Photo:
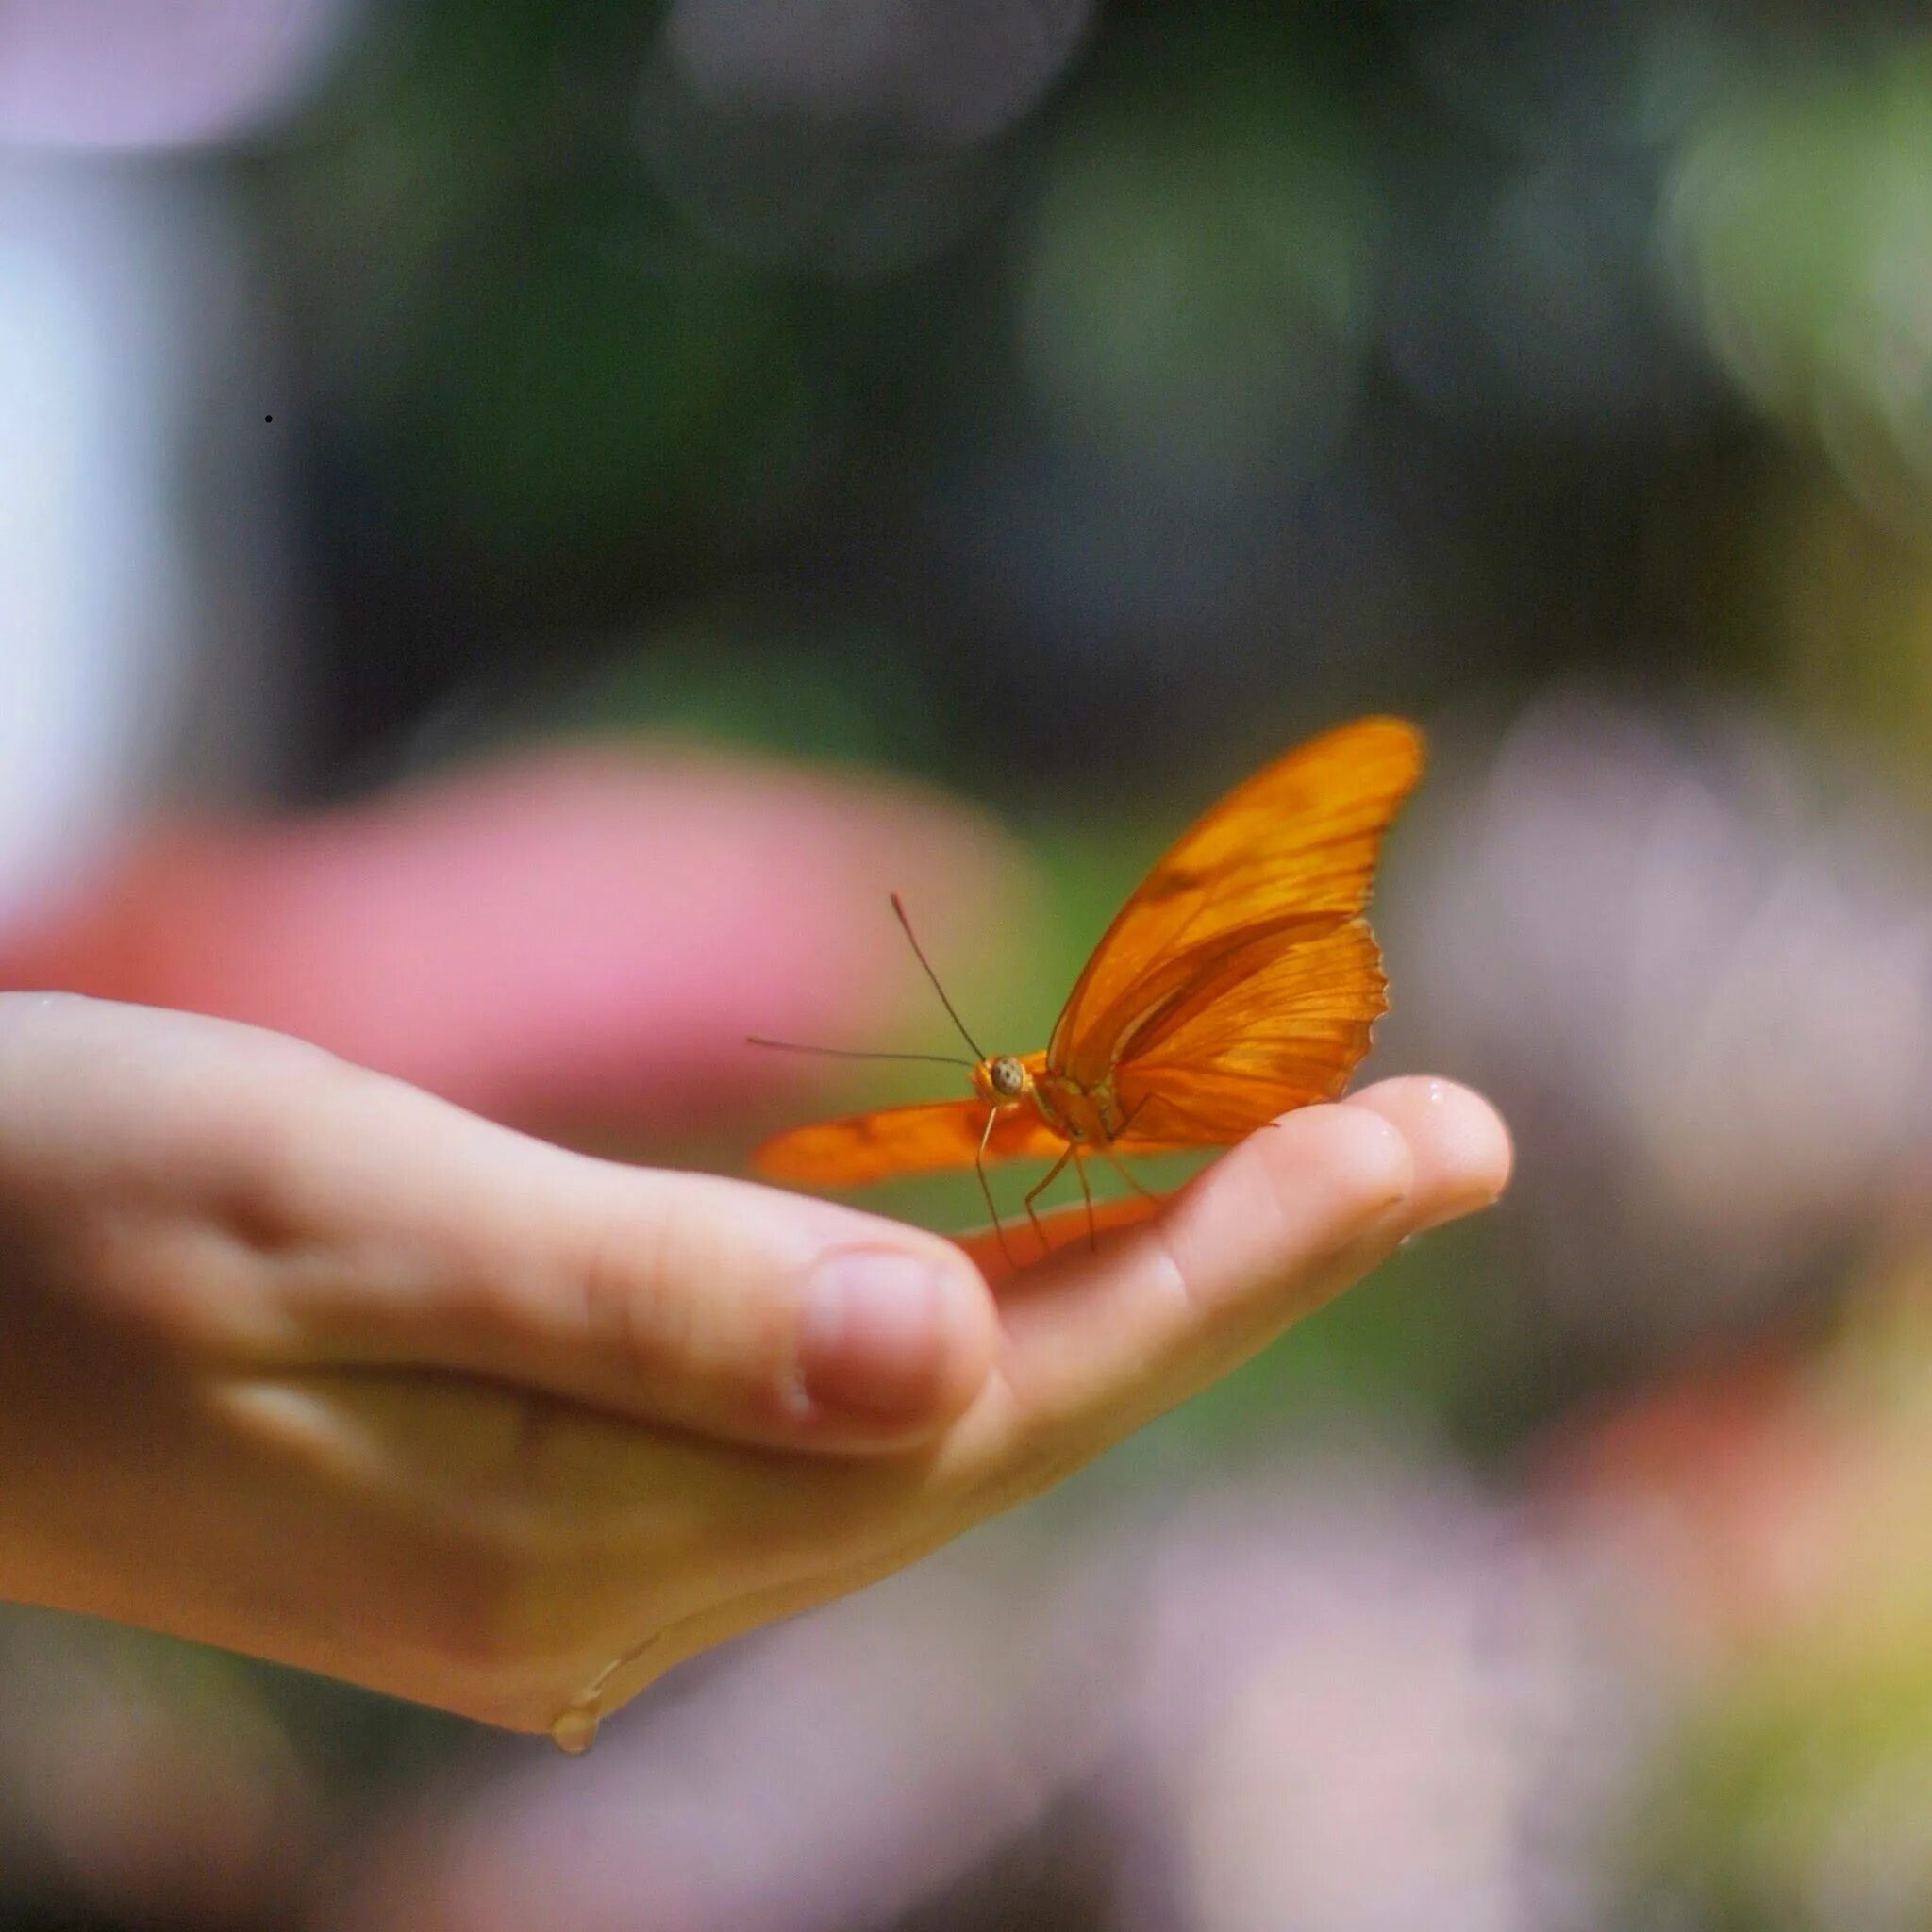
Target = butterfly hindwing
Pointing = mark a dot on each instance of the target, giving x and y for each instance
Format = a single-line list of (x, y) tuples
[(1280, 1024)]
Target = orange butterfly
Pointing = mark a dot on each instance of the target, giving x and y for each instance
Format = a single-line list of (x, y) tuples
[(1238, 981)]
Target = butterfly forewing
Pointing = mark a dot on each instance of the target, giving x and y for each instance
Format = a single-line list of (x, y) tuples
[(863, 1147), (1299, 838)]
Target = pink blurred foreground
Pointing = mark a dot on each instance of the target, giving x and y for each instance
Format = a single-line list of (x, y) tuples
[(578, 936)]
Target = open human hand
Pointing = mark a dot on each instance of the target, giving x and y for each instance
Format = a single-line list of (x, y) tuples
[(298, 1359)]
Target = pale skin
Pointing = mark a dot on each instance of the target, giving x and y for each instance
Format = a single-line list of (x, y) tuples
[(297, 1359)]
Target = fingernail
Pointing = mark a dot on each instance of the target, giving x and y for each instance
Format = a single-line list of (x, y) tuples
[(872, 1340)]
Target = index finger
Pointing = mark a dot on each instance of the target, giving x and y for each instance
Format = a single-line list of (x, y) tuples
[(1097, 1341)]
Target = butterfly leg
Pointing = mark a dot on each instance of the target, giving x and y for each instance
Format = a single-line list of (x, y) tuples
[(1106, 1152), (1087, 1196), (1045, 1181), (1127, 1175), (986, 1187)]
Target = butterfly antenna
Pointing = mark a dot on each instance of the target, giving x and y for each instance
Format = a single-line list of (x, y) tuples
[(918, 953), (854, 1053)]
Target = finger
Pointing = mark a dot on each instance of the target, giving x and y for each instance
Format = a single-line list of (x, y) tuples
[(711, 1304), (1457, 1140), (302, 1213), (1460, 1146), (1096, 1343), (1240, 1246), (1459, 1157)]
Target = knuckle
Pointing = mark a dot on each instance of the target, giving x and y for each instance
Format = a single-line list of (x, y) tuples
[(623, 1284), (256, 1148), (285, 1130), (147, 1284), (687, 1311), (256, 1157)]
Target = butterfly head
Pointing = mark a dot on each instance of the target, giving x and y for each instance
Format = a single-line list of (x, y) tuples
[(1002, 1078)]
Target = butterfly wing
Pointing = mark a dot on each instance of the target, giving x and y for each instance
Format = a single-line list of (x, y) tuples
[(1285, 860), (993, 1248), (1236, 982), (1277, 1021), (930, 1139)]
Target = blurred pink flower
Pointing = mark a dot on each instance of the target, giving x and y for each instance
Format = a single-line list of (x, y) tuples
[(1367, 1700), (577, 936), (1696, 976)]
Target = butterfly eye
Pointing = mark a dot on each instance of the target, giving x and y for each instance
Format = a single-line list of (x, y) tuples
[(1008, 1078)]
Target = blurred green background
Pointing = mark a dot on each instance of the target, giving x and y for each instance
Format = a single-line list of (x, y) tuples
[(1069, 406)]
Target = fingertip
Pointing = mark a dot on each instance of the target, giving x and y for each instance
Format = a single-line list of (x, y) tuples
[(972, 1337), (893, 1342), (1362, 1159), (1459, 1144), (1287, 1199)]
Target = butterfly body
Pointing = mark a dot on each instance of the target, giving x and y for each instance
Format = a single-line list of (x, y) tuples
[(1064, 1107), (1239, 980)]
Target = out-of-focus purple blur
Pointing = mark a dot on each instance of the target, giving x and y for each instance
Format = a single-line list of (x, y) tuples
[(522, 521)]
